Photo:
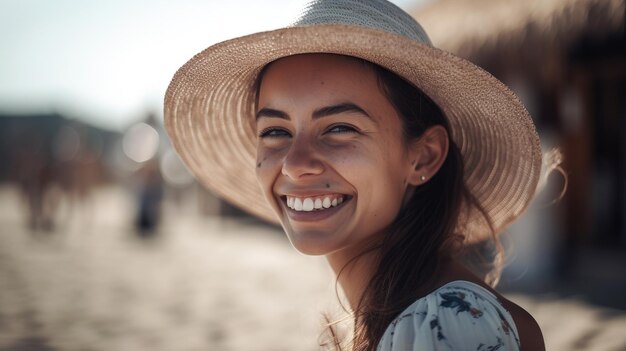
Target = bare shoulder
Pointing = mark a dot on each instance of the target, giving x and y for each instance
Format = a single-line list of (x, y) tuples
[(530, 334)]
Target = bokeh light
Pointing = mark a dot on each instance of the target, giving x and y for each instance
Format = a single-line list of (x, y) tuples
[(141, 142)]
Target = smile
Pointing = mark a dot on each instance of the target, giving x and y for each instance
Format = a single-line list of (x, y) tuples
[(317, 203)]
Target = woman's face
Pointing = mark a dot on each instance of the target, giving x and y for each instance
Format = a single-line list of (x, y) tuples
[(330, 156)]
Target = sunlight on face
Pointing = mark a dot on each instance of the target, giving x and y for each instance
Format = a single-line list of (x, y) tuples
[(330, 156)]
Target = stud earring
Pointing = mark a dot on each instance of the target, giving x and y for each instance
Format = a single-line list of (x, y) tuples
[(422, 178)]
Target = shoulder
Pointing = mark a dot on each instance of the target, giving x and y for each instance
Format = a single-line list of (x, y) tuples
[(457, 316), (531, 337)]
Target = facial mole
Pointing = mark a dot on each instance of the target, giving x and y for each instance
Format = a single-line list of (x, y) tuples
[(327, 185), (258, 165)]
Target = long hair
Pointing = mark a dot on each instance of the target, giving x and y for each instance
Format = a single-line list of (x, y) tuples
[(423, 233)]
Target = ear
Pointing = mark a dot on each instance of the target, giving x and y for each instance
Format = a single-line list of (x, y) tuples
[(428, 154)]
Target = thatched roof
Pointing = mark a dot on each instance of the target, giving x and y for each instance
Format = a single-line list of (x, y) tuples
[(471, 27)]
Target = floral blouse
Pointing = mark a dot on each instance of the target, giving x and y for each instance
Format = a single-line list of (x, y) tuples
[(458, 316)]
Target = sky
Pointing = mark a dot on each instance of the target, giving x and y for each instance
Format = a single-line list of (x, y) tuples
[(109, 62)]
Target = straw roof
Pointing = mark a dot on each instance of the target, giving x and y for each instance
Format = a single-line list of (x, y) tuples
[(472, 27)]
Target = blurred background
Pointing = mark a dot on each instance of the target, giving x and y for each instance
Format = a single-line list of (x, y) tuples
[(108, 243)]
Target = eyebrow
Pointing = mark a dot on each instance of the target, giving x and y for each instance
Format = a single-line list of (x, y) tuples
[(346, 107), (270, 112)]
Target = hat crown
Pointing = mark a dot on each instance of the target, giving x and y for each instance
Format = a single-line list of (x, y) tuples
[(375, 14)]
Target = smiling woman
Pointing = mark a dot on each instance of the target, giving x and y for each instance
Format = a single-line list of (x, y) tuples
[(336, 139), (387, 161)]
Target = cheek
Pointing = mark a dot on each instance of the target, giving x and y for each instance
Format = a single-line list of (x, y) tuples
[(382, 203), (364, 164), (348, 157), (268, 165), (377, 174)]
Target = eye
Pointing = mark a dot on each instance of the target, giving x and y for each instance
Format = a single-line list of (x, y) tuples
[(273, 132), (341, 128)]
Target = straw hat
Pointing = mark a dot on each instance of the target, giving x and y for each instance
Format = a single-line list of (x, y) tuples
[(209, 106)]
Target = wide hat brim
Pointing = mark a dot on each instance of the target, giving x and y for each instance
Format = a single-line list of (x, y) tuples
[(209, 115)]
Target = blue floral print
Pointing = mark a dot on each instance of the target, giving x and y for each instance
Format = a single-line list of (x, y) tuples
[(458, 316)]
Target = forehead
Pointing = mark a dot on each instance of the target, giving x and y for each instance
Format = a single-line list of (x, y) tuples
[(322, 76)]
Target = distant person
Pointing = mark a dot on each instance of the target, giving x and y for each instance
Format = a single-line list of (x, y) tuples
[(382, 153), (35, 174), (78, 172), (149, 198)]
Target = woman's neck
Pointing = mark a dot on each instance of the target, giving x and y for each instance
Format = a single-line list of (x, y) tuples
[(354, 268)]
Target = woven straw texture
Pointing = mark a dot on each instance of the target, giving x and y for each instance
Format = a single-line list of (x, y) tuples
[(209, 106)]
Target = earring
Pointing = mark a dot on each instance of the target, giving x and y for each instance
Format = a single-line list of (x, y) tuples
[(422, 178)]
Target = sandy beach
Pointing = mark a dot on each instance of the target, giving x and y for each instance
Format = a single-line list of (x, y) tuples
[(202, 283)]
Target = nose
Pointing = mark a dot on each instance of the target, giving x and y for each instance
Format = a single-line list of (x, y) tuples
[(302, 160)]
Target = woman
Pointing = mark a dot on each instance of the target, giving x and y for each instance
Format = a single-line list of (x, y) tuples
[(386, 155)]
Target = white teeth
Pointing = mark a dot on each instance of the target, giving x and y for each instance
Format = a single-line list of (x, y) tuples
[(318, 203), (326, 202), (297, 205), (307, 204)]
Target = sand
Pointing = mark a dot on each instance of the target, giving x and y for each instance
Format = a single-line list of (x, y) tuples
[(202, 283)]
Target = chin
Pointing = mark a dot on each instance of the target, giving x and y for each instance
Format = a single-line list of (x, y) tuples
[(312, 242)]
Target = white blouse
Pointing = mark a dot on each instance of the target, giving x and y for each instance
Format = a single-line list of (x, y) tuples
[(460, 315)]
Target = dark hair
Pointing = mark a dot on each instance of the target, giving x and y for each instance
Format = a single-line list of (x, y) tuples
[(423, 234), (410, 254)]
